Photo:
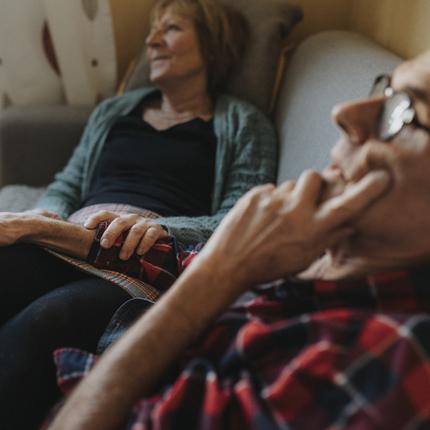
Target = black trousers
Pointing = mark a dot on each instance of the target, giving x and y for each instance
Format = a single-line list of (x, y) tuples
[(45, 304)]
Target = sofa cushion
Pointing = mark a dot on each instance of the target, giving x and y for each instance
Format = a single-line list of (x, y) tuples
[(326, 69), (270, 22), (17, 198)]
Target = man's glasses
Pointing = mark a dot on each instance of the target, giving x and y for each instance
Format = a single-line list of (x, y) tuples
[(397, 110)]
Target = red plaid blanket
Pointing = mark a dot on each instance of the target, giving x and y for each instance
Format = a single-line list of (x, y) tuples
[(145, 277), (302, 355), (159, 267), (133, 286)]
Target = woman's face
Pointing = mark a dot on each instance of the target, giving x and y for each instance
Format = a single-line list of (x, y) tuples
[(173, 50)]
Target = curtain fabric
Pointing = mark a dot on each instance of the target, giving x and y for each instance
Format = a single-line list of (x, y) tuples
[(56, 52)]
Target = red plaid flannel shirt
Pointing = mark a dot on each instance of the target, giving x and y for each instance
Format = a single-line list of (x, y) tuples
[(302, 355)]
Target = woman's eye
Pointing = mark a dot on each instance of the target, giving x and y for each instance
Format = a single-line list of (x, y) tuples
[(171, 27)]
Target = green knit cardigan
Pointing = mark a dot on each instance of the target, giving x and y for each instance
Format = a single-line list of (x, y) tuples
[(246, 156)]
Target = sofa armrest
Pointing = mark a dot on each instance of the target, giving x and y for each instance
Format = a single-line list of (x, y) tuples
[(36, 142)]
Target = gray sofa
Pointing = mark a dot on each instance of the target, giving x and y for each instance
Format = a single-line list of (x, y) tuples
[(325, 69)]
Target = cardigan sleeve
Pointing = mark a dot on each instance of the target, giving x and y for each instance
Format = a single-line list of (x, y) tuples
[(253, 162), (63, 195)]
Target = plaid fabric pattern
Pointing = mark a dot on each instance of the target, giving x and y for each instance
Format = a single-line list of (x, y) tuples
[(144, 277), (302, 355), (159, 267)]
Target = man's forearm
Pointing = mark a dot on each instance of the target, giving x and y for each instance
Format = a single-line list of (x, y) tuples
[(72, 239), (131, 368)]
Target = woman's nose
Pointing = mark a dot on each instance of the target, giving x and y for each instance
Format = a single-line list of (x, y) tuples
[(153, 38), (358, 119)]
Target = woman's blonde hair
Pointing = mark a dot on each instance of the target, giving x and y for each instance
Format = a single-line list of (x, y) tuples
[(222, 32)]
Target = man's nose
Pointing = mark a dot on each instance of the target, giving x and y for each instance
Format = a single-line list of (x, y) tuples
[(358, 119)]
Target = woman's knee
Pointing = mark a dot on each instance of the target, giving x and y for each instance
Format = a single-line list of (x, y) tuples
[(72, 315), (45, 316)]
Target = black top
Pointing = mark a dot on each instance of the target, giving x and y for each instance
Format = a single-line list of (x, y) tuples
[(170, 172)]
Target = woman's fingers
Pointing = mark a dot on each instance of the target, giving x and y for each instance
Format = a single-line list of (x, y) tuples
[(141, 237), (134, 236), (152, 234), (142, 233), (94, 220), (116, 228)]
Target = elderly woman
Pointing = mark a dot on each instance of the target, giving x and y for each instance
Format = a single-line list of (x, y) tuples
[(179, 149), (170, 158)]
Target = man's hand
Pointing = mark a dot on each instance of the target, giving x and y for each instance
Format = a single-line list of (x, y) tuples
[(43, 212), (45, 230), (276, 231), (13, 227), (142, 234)]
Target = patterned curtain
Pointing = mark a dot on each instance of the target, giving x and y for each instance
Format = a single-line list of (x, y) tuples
[(56, 52)]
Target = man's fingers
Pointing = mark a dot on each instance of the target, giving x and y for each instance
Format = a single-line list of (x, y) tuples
[(308, 187), (375, 156), (354, 199), (94, 220), (379, 156), (286, 187)]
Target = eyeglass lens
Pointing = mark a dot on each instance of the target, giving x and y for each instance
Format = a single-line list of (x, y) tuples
[(396, 110)]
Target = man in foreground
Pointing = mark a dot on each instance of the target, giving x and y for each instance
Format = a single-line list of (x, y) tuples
[(342, 345)]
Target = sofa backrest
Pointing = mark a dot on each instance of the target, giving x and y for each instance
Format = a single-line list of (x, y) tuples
[(326, 69)]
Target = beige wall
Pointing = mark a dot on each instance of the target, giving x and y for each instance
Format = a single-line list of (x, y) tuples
[(128, 19), (400, 25), (321, 15)]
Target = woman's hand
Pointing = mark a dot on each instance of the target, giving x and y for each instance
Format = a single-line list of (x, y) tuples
[(276, 231), (143, 232)]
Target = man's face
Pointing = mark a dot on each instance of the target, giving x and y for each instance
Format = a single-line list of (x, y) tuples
[(404, 211)]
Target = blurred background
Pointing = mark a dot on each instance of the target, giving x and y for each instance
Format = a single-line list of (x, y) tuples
[(76, 52)]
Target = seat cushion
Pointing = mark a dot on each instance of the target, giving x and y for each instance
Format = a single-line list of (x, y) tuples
[(270, 22), (17, 198), (327, 68)]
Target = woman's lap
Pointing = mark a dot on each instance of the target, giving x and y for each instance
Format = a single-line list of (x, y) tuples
[(53, 305), (26, 273)]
